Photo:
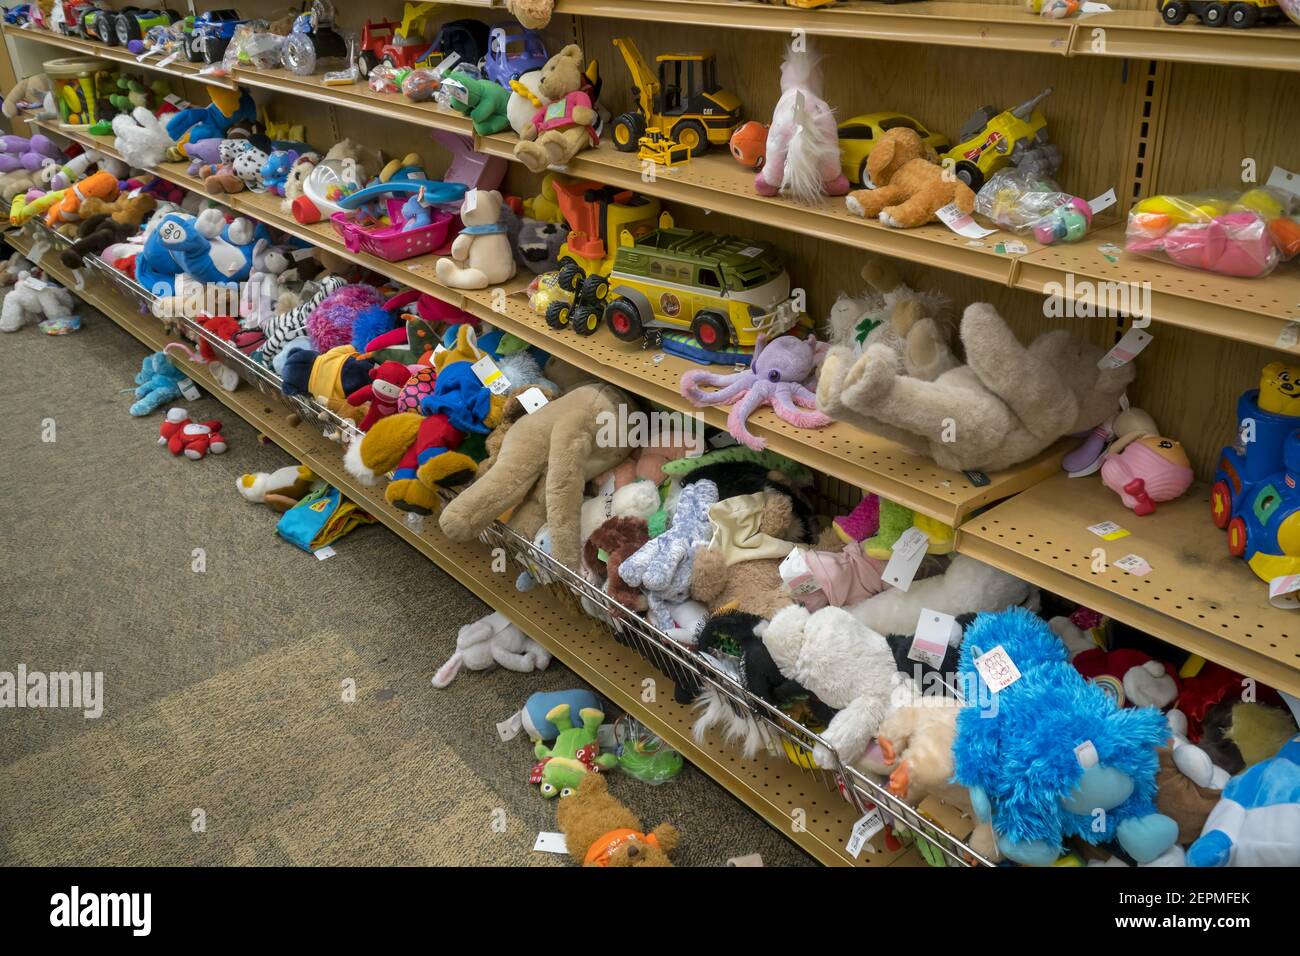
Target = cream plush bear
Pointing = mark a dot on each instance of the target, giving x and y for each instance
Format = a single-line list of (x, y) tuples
[(1007, 404), (31, 300), (481, 255)]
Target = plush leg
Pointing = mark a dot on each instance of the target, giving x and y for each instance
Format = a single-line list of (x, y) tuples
[(869, 202)]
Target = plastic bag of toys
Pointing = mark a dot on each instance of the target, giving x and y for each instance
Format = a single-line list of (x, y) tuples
[(420, 85), (252, 46), (1244, 234), (1033, 205), (643, 754), (386, 79)]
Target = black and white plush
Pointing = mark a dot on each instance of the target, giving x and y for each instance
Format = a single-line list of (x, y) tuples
[(283, 329)]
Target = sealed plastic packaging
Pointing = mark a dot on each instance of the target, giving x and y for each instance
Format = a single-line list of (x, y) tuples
[(1242, 234), (1033, 205)]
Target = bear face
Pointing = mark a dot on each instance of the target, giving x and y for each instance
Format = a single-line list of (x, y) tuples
[(481, 208), (562, 74)]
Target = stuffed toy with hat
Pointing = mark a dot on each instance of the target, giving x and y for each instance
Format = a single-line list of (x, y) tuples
[(601, 831)]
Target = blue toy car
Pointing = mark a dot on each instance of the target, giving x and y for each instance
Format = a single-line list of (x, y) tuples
[(512, 52), (210, 35)]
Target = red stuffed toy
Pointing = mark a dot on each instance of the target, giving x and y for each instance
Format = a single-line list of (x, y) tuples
[(192, 439), (386, 382)]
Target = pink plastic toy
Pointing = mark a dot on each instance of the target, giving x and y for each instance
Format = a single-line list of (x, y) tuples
[(391, 241), (1146, 471), (1234, 244)]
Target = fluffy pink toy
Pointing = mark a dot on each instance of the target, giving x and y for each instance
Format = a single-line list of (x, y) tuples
[(330, 323), (779, 375)]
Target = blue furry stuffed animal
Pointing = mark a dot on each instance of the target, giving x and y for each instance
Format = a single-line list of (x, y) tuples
[(159, 384), (1023, 752)]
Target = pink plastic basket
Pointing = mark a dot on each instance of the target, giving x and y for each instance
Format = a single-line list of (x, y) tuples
[(390, 242)]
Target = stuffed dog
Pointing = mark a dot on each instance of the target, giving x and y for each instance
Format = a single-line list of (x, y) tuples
[(911, 186)]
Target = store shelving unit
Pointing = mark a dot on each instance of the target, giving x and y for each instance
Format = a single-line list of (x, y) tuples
[(179, 67)]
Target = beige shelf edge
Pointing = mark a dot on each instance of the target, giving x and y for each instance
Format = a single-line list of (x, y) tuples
[(180, 68), (1197, 596), (772, 788), (1141, 34), (863, 460)]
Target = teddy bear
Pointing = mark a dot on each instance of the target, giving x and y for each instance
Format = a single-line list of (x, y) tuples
[(480, 255), (33, 300), (27, 91), (194, 440), (491, 641), (568, 123), (1006, 405), (157, 383), (910, 185), (532, 14), (600, 831)]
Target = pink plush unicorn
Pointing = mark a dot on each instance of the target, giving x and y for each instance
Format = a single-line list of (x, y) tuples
[(803, 145)]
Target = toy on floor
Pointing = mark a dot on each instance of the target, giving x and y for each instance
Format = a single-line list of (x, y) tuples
[(1050, 755), (34, 300), (279, 490), (321, 518), (568, 123), (158, 382), (802, 155), (533, 716), (194, 440), (1256, 821), (490, 642), (910, 185), (776, 377), (600, 831), (574, 755)]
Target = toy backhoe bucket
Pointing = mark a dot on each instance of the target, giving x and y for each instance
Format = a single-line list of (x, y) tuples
[(1026, 109)]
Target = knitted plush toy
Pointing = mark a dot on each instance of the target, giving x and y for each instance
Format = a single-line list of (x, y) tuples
[(491, 641), (158, 382), (1050, 755)]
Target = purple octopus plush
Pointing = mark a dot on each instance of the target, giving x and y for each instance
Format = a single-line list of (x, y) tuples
[(779, 375)]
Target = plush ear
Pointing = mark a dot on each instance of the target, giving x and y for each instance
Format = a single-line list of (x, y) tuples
[(573, 52), (666, 836), (880, 159)]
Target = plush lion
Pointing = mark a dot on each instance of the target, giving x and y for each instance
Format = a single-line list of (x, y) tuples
[(911, 186), (600, 831)]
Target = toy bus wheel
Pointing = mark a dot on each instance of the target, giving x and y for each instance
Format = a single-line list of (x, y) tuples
[(711, 331), (1221, 504), (970, 174), (624, 321), (570, 277), (1174, 12), (1214, 14), (627, 132), (366, 62), (1242, 15), (692, 135), (557, 315), (595, 289), (586, 319), (1237, 537)]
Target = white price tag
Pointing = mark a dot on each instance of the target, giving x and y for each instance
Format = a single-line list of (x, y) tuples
[(935, 631), (1108, 530), (491, 376), (1089, 7), (550, 843), (795, 574), (470, 202), (751, 859), (1126, 349), (751, 252), (532, 399), (189, 389), (871, 823), (1086, 754), (300, 254), (35, 284), (909, 552), (997, 668), (1285, 181), (325, 552), (1012, 247), (1289, 336), (509, 729), (1284, 592), (961, 223), (169, 58), (1134, 564), (1103, 202)]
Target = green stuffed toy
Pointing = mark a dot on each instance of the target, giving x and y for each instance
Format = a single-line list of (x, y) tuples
[(482, 101), (575, 753)]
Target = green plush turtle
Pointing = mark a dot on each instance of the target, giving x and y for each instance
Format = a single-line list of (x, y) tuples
[(482, 101), (575, 753)]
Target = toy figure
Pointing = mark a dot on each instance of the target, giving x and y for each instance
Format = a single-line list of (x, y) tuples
[(575, 753), (195, 440), (415, 213), (1146, 470)]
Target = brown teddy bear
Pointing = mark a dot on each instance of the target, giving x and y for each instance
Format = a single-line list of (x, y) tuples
[(911, 186), (533, 14), (600, 831), (567, 124)]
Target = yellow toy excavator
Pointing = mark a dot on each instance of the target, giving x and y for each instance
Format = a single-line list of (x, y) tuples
[(683, 100)]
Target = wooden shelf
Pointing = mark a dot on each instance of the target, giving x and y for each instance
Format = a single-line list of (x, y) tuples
[(842, 451), (1197, 596), (179, 68), (773, 788)]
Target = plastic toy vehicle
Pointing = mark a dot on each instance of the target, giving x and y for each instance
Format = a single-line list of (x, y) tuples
[(859, 134), (684, 101), (312, 40), (991, 141), (597, 215), (1254, 495), (661, 150), (568, 299), (1240, 14), (396, 44), (511, 53), (132, 24), (210, 35), (73, 12), (724, 290)]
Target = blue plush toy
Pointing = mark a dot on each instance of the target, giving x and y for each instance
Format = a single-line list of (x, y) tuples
[(204, 248), (159, 383), (1257, 820), (541, 703), (228, 109), (1050, 755)]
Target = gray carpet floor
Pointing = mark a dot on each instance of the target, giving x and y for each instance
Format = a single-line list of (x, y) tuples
[(224, 737)]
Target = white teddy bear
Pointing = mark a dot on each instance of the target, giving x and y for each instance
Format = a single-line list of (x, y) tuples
[(481, 255), (31, 300)]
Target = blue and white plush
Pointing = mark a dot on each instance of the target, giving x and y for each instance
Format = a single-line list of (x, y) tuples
[(1257, 821), (204, 248), (1016, 750), (158, 384)]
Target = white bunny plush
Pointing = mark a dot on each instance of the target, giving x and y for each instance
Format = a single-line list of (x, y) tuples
[(489, 642), (140, 138)]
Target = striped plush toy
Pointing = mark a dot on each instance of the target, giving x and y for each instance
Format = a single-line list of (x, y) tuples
[(284, 328)]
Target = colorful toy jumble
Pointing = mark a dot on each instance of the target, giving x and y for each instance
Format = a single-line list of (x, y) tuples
[(939, 457)]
